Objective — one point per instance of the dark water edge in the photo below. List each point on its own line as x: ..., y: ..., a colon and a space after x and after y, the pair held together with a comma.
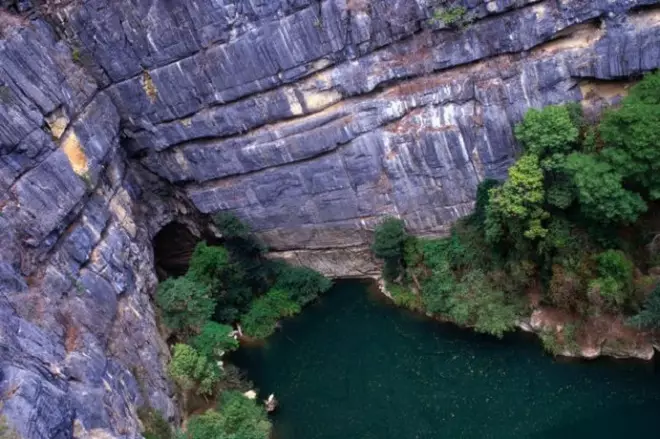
x: 353, y: 366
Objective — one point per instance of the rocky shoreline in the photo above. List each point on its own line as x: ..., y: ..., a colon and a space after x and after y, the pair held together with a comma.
x: 604, y: 336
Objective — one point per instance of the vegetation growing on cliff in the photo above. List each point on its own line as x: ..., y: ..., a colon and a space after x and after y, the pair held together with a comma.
x: 236, y: 417
x: 228, y: 284
x: 567, y: 224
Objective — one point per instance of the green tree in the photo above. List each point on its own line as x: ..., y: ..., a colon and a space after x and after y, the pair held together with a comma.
x: 478, y: 217
x: 237, y: 417
x: 214, y: 339
x: 208, y: 425
x: 251, y: 269
x: 209, y: 264
x: 518, y: 203
x: 389, y: 239
x: 264, y: 313
x: 475, y: 302
x: 302, y: 283
x: 601, y: 195
x: 632, y: 137
x: 192, y: 370
x: 186, y: 304
x: 237, y: 235
x: 551, y: 130
x: 649, y: 316
x: 226, y: 277
x: 615, y: 277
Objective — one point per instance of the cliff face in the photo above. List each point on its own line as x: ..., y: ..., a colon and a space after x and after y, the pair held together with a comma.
x: 309, y: 119
x: 313, y: 119
x: 79, y: 347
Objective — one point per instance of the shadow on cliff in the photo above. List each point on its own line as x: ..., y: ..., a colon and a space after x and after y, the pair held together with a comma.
x: 173, y: 248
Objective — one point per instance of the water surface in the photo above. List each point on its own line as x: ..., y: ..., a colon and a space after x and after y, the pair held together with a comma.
x: 351, y: 366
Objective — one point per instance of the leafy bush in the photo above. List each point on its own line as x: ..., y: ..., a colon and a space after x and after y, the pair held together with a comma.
x: 518, y: 203
x: 649, y: 316
x: 452, y: 16
x: 475, y: 302
x: 615, y: 277
x: 208, y: 264
x: 567, y: 288
x: 214, y: 339
x: 192, y: 370
x: 237, y: 417
x: 389, y: 239
x: 226, y: 276
x: 550, y: 130
x: 262, y: 317
x: 550, y: 342
x: 630, y: 134
x: 186, y: 304
x: 303, y: 284
x: 404, y: 297
x: 601, y: 194
x: 237, y: 235
x: 478, y: 217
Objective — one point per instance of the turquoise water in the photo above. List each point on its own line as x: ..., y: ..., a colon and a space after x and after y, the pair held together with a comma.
x: 353, y: 367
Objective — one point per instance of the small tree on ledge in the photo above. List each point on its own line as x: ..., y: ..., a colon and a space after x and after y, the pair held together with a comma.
x: 389, y: 238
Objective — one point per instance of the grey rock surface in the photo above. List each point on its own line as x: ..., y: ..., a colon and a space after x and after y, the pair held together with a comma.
x: 79, y: 347
x: 310, y: 119
x: 317, y: 118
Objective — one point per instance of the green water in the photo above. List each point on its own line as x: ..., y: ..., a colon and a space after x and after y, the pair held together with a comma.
x: 353, y: 367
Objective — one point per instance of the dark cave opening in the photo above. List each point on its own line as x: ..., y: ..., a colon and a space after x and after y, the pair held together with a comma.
x: 173, y: 247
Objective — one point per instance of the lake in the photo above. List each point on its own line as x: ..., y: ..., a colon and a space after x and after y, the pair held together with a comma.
x: 353, y: 366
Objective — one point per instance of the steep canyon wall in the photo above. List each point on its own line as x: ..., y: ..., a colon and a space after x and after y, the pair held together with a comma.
x: 308, y: 119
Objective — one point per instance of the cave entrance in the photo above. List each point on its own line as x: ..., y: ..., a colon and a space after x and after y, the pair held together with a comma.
x: 173, y: 248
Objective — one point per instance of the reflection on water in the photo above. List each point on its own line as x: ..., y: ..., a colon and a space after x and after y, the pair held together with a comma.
x: 353, y: 367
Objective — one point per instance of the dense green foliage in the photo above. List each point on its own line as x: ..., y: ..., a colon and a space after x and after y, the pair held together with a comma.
x: 193, y: 370
x: 237, y: 417
x: 186, y: 304
x: 649, y: 316
x: 565, y: 224
x: 451, y: 16
x: 226, y: 284
x: 261, y: 319
x: 389, y: 239
x: 214, y: 339
x: 549, y: 131
x: 615, y: 277
x: 600, y: 192
x: 226, y: 276
x: 234, y: 282
x: 303, y: 284
x: 631, y: 136
x: 517, y: 206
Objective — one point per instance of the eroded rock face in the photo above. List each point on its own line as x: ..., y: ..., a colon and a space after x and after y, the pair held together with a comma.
x: 313, y: 119
x: 79, y: 346
x: 309, y: 119
x: 597, y: 335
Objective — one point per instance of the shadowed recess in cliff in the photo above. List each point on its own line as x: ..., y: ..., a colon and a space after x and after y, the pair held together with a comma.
x: 352, y: 366
x: 173, y: 248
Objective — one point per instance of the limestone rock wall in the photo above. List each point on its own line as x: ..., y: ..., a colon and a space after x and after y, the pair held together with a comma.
x: 312, y: 119
x: 79, y: 346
